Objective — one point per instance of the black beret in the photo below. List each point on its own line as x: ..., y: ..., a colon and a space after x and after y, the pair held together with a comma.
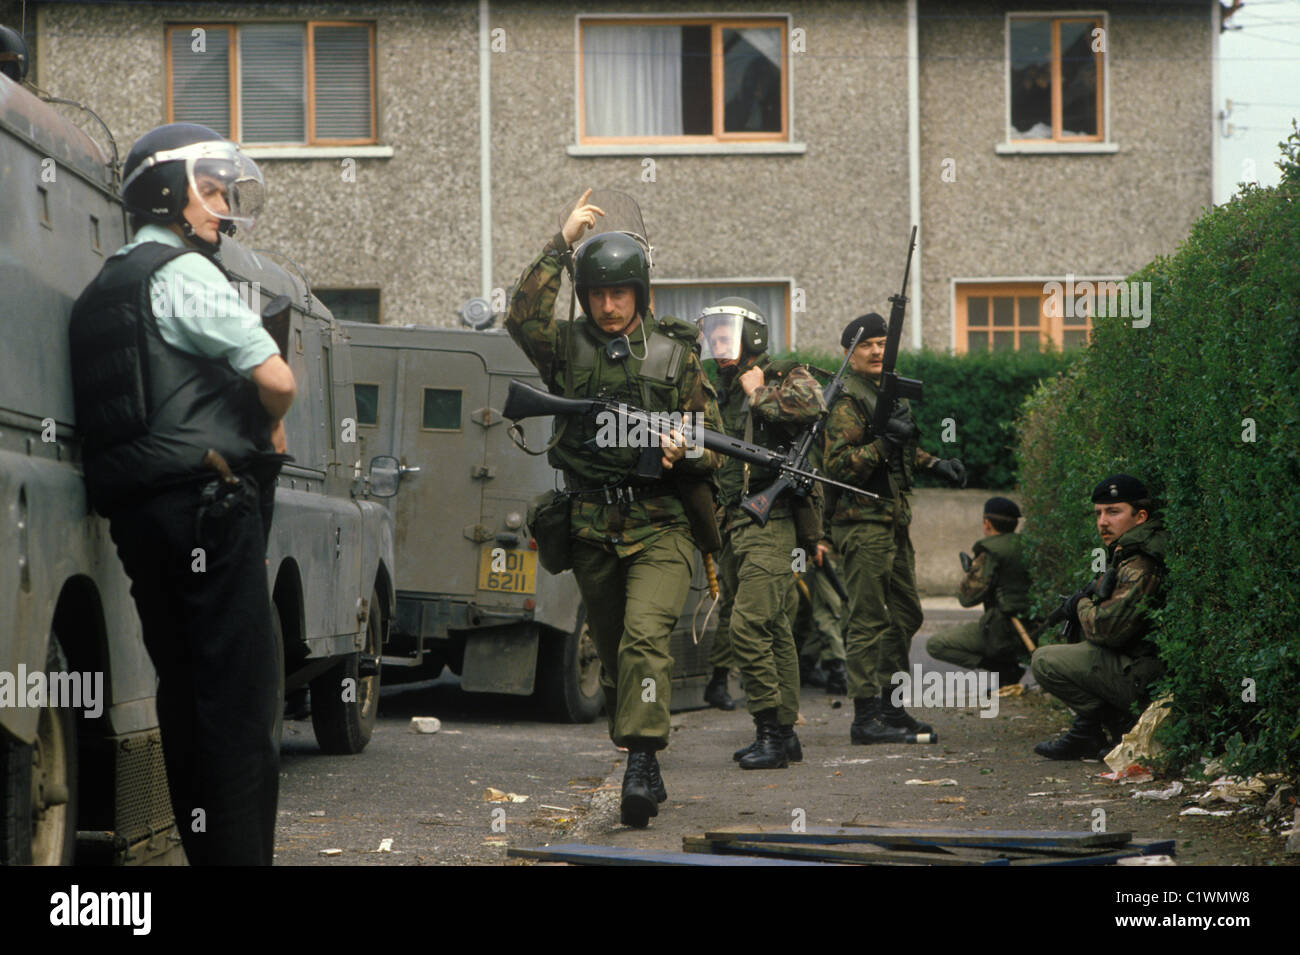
x: 873, y: 324
x: 1001, y: 507
x: 1119, y: 489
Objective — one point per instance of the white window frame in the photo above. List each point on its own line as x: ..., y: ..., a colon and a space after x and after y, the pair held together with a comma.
x: 1008, y: 147
x: 787, y: 146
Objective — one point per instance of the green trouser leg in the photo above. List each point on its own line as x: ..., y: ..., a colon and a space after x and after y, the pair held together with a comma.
x: 962, y: 645
x: 724, y: 563
x: 1085, y: 677
x: 760, y: 619
x: 867, y: 549
x: 828, y: 619
x: 632, y: 603
x: 905, y: 613
x: 787, y: 662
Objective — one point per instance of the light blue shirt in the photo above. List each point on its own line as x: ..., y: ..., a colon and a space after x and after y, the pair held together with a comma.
x: 199, y: 311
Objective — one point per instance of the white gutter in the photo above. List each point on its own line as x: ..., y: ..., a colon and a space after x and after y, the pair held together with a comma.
x: 485, y: 148
x: 1216, y: 189
x: 914, y: 163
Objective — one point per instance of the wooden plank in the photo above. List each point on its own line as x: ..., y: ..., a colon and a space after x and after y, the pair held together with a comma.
x: 916, y: 837
x: 1139, y: 847
x: 581, y: 854
x: 861, y: 854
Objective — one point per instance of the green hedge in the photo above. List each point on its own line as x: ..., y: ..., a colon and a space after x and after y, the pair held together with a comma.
x: 981, y: 393
x: 1174, y: 404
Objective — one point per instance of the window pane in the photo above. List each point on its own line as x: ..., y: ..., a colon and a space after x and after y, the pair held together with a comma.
x: 1004, y: 311
x: 1031, y: 78
x: 686, y: 302
x: 201, y: 80
x: 977, y: 341
x: 632, y: 80
x: 351, y: 304
x: 1028, y: 311
x: 1078, y: 79
x: 1004, y: 341
x: 977, y: 310
x: 272, y: 97
x: 697, y: 81
x: 1075, y: 338
x: 367, y: 403
x: 752, y: 78
x: 342, y: 74
x: 1029, y: 341
x: 441, y: 409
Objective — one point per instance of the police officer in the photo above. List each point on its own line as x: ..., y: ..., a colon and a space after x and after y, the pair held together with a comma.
x: 872, y: 536
x: 768, y: 403
x: 1110, y: 669
x: 630, y: 541
x: 998, y: 578
x: 175, y: 379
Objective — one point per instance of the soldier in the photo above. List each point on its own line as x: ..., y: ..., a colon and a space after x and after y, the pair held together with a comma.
x: 821, y: 655
x: 1102, y: 677
x: 872, y: 536
x: 997, y: 577
x: 169, y: 364
x: 768, y: 403
x: 630, y: 541
x: 715, y: 691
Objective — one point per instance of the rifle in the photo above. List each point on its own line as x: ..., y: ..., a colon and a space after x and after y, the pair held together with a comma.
x: 525, y: 401
x: 892, y: 385
x: 759, y: 505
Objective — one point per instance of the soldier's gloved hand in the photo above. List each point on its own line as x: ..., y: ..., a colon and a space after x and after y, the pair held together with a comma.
x: 899, y: 429
x: 951, y: 470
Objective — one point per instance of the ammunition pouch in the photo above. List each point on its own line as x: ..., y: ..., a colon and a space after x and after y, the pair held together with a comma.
x: 548, y: 522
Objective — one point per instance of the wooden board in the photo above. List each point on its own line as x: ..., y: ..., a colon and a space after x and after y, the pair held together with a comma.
x: 917, y: 837
x: 860, y: 854
x: 581, y: 854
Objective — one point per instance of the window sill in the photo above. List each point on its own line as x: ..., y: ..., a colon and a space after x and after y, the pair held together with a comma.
x: 690, y: 149
x: 1022, y: 149
x: 318, y: 152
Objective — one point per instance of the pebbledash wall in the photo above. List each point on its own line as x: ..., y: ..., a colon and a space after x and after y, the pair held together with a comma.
x: 829, y: 213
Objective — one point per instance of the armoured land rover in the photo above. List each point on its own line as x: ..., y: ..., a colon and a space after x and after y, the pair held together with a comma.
x: 88, y: 780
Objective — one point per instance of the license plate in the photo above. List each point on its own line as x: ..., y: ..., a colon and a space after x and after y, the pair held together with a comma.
x: 508, y: 571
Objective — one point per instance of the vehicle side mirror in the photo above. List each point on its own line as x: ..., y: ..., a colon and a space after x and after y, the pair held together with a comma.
x: 385, y: 475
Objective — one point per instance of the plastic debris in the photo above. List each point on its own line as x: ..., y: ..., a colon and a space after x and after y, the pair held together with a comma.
x: 425, y: 724
x: 331, y: 852
x: 1174, y: 790
x: 1139, y: 743
x: 1232, y: 789
x: 931, y: 782
x: 1133, y: 773
x: 1198, y: 811
x: 385, y: 845
x: 496, y: 795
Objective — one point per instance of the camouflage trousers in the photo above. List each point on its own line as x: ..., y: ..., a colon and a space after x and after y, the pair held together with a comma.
x: 754, y: 569
x: 825, y: 632
x: 884, y: 609
x: 1085, y: 677
x: 976, y: 645
x: 632, y: 604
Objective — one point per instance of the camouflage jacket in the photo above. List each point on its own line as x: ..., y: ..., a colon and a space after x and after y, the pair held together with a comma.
x: 853, y: 452
x: 998, y: 579
x: 788, y: 402
x: 1122, y: 621
x: 622, y: 528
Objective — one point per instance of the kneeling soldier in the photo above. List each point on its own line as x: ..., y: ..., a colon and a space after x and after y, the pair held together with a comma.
x: 768, y: 403
x: 996, y: 577
x: 1104, y: 675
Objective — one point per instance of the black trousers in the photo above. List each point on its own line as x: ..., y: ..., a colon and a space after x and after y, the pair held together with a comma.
x: 203, y: 600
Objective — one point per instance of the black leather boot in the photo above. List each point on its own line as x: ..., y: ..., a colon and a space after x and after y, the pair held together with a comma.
x: 793, y: 751
x: 837, y: 678
x: 639, y: 802
x: 896, y: 716
x: 715, y: 693
x: 769, y: 747
x: 1083, y: 740
x: 867, y: 727
x: 657, y: 781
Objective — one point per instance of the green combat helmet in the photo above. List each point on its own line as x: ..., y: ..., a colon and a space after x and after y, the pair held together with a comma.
x: 608, y: 260
x: 730, y: 324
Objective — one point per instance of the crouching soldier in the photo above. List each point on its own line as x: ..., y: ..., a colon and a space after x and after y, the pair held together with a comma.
x: 996, y: 577
x: 1101, y: 677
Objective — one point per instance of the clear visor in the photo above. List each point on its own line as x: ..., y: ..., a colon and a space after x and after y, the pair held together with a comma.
x: 721, y: 333
x: 227, y: 183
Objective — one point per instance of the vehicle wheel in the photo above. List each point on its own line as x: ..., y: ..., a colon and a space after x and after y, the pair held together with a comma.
x: 38, y: 786
x: 345, y: 698
x: 568, y: 673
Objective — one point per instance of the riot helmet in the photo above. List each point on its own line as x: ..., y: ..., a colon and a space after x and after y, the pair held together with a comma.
x: 611, y: 259
x: 166, y: 162
x: 730, y: 325
x: 13, y: 55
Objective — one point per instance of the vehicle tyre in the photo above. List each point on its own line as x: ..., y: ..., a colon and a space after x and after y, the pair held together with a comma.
x: 38, y: 786
x: 345, y: 698
x: 568, y: 673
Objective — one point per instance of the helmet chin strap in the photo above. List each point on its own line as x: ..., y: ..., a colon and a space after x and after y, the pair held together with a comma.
x: 195, y: 239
